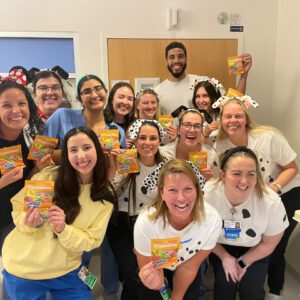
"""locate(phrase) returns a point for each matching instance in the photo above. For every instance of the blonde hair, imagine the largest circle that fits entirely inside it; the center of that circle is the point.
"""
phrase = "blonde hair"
(252, 127)
(226, 156)
(138, 99)
(183, 167)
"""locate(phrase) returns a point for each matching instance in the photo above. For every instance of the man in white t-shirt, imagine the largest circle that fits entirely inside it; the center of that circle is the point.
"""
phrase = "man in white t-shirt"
(176, 89)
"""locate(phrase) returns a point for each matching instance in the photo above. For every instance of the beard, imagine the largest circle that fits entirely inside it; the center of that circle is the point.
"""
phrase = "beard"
(177, 74)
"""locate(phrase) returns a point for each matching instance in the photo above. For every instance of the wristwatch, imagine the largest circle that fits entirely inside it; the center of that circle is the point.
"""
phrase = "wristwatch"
(241, 262)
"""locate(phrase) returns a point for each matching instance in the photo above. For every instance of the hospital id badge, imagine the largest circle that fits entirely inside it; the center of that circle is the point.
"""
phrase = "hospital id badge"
(87, 277)
(232, 230)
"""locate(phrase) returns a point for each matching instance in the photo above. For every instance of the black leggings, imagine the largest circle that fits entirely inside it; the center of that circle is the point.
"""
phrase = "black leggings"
(291, 202)
(251, 285)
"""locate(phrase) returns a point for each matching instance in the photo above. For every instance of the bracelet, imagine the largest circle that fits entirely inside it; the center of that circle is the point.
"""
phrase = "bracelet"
(165, 290)
(241, 262)
(277, 185)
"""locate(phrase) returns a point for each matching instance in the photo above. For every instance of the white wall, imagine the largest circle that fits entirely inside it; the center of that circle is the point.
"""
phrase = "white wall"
(92, 19)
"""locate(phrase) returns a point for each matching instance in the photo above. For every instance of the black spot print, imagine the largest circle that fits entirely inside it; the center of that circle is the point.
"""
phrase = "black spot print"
(144, 190)
(126, 199)
(246, 213)
(263, 169)
(222, 224)
(268, 162)
(187, 249)
(199, 242)
(271, 179)
(260, 159)
(197, 250)
(284, 218)
(215, 164)
(141, 205)
(191, 252)
(251, 233)
(181, 258)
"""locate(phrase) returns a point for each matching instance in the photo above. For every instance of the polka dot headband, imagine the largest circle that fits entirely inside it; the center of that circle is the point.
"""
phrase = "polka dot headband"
(135, 127)
(150, 182)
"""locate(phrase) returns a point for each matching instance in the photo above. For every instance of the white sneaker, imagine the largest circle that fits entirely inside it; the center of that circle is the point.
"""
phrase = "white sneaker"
(273, 297)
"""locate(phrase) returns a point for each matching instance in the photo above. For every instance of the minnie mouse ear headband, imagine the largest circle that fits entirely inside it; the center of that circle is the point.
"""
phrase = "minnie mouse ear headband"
(57, 69)
(135, 127)
(213, 81)
(247, 100)
(150, 182)
(16, 75)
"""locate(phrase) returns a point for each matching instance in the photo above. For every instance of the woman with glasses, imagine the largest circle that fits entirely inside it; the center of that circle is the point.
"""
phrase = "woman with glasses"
(91, 93)
(49, 93)
(190, 139)
(279, 171)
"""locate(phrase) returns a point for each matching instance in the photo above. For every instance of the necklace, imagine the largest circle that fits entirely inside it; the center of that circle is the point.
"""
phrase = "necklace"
(232, 211)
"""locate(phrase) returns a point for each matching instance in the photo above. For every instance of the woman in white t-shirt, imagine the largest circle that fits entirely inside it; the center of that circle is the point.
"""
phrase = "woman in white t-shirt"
(277, 165)
(254, 220)
(147, 135)
(178, 211)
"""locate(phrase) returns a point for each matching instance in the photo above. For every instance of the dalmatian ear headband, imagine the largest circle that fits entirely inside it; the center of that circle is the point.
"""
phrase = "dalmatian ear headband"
(213, 81)
(145, 91)
(247, 100)
(150, 182)
(135, 127)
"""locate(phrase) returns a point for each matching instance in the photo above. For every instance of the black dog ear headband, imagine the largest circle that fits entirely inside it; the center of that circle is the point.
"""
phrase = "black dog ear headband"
(228, 153)
(135, 127)
(57, 69)
(150, 182)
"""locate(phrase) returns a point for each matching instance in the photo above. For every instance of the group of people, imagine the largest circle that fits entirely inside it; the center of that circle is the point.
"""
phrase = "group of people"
(235, 212)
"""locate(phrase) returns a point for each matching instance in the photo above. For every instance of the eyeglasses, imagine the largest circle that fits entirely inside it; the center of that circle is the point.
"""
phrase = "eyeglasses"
(188, 126)
(88, 92)
(53, 88)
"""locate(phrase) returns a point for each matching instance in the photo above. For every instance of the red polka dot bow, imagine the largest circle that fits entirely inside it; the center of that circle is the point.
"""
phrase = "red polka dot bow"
(17, 76)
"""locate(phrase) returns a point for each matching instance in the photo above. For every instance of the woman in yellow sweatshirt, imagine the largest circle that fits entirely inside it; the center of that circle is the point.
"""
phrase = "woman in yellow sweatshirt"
(44, 254)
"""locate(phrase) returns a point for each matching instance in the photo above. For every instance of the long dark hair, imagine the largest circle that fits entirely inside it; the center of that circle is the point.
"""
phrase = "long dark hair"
(35, 123)
(213, 94)
(85, 79)
(130, 179)
(67, 187)
(109, 112)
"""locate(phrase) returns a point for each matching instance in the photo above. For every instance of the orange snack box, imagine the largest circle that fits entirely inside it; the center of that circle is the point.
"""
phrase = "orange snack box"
(165, 121)
(231, 93)
(39, 194)
(41, 146)
(127, 162)
(199, 159)
(164, 252)
(10, 158)
(235, 65)
(109, 139)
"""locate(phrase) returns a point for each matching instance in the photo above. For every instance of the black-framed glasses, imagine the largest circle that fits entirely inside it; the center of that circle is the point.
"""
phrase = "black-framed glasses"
(53, 88)
(89, 91)
(188, 126)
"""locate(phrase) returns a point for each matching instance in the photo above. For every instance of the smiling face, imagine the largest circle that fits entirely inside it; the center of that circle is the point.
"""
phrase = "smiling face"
(239, 177)
(49, 95)
(176, 62)
(122, 103)
(233, 120)
(190, 137)
(93, 95)
(179, 193)
(82, 156)
(147, 143)
(147, 106)
(202, 99)
(14, 110)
